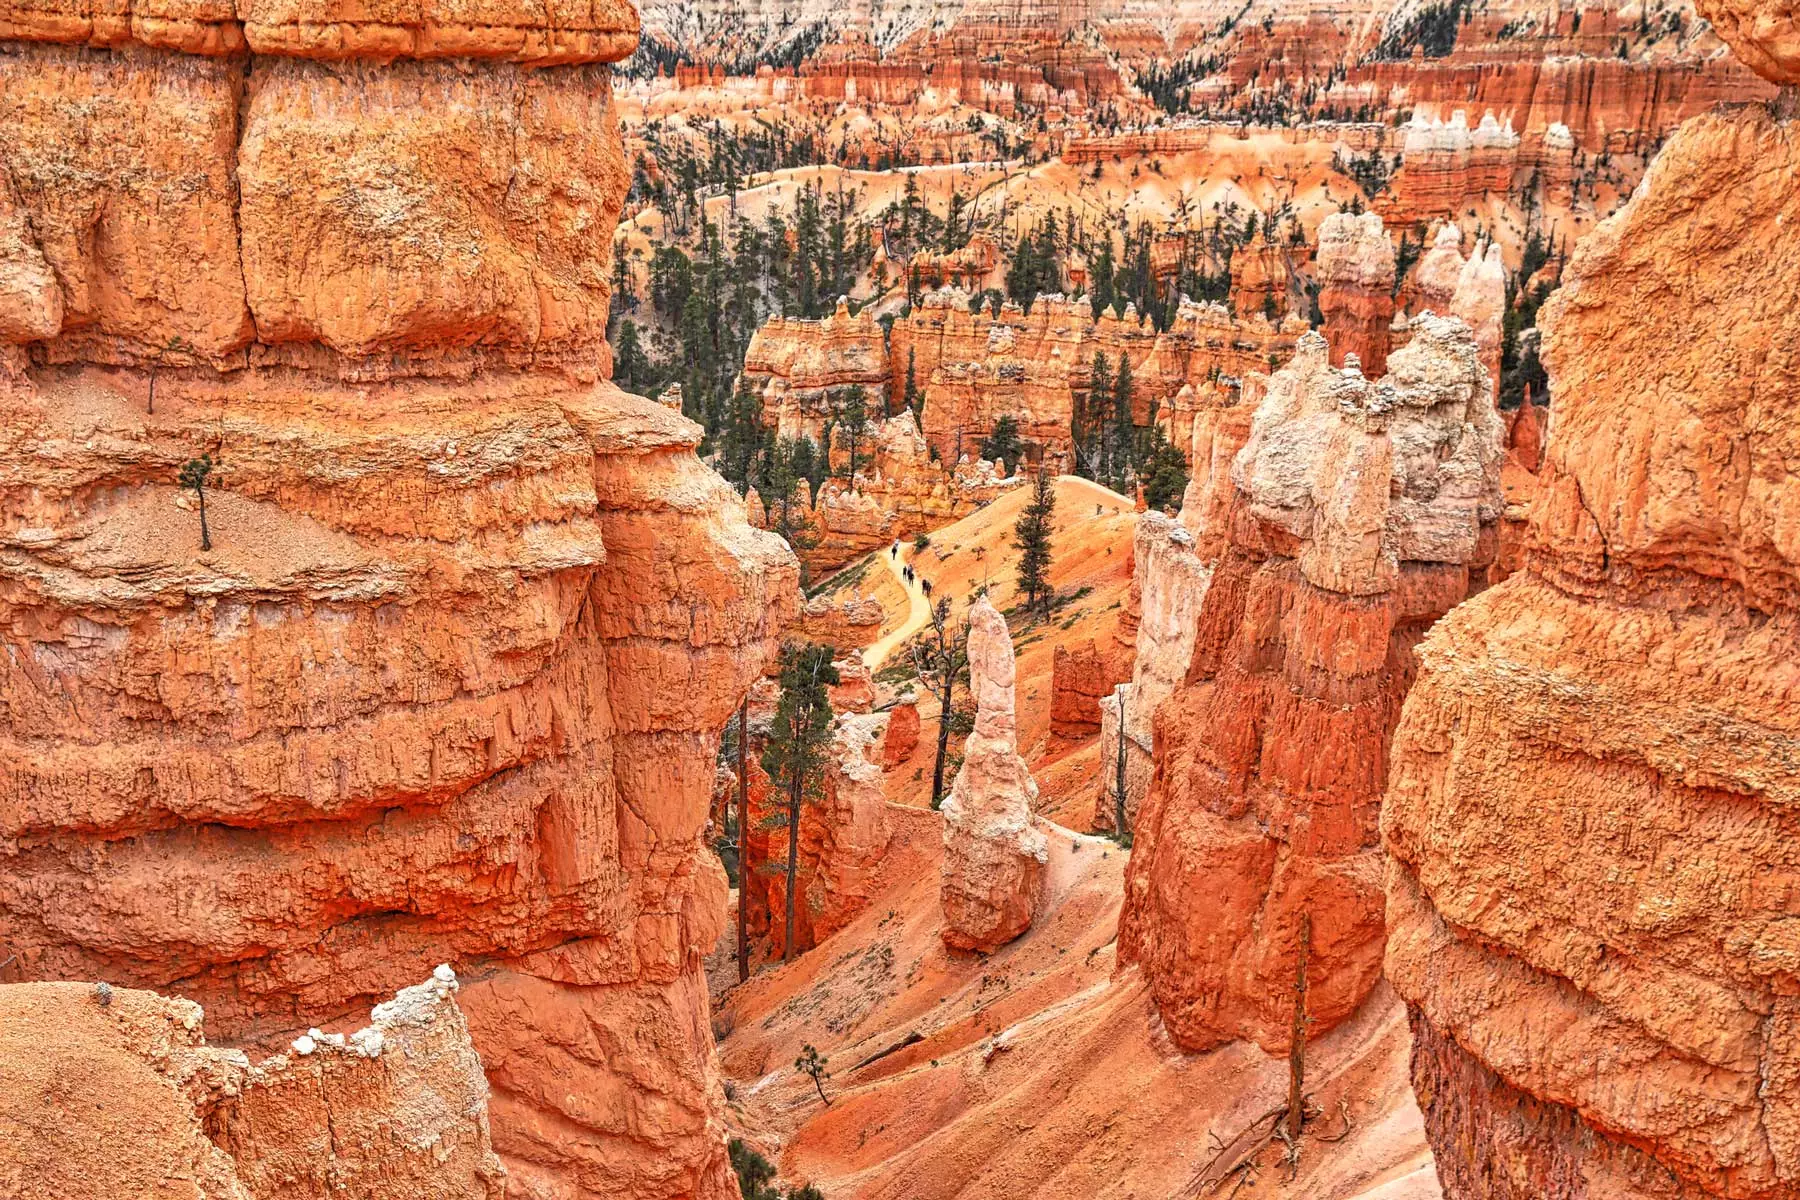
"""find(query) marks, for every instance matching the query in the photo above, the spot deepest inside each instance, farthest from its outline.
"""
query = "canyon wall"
(969, 369)
(447, 687)
(1593, 892)
(113, 1092)
(1358, 513)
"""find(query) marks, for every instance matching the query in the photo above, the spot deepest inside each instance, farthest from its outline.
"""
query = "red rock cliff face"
(1594, 891)
(449, 685)
(1358, 513)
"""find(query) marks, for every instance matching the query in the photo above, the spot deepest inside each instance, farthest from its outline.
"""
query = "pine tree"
(850, 411)
(1032, 540)
(786, 469)
(1164, 472)
(1122, 422)
(1101, 292)
(799, 740)
(953, 223)
(194, 474)
(1002, 446)
(631, 370)
(914, 400)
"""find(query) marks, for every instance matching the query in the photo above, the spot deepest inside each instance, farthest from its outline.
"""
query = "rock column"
(1358, 512)
(994, 854)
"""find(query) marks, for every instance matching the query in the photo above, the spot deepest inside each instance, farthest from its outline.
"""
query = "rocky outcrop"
(797, 367)
(970, 369)
(1590, 819)
(1355, 270)
(902, 735)
(1480, 300)
(994, 853)
(1261, 279)
(1172, 563)
(114, 1092)
(1763, 35)
(1439, 271)
(449, 684)
(1474, 290)
(899, 493)
(852, 830)
(1360, 512)
(849, 622)
(1171, 579)
(1448, 168)
(842, 839)
(1079, 679)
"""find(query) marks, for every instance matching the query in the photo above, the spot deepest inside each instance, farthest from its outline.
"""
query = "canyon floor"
(1039, 1070)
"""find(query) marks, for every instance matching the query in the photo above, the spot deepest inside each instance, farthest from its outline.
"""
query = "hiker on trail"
(894, 551)
(908, 572)
(925, 586)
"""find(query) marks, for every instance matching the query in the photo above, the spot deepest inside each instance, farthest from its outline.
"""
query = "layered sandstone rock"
(1170, 578)
(901, 492)
(1449, 168)
(1764, 34)
(1261, 279)
(852, 829)
(1480, 300)
(1590, 821)
(970, 369)
(114, 1092)
(450, 682)
(1355, 269)
(994, 853)
(1079, 679)
(1172, 563)
(799, 366)
(842, 837)
(1358, 513)
(1439, 271)
(902, 735)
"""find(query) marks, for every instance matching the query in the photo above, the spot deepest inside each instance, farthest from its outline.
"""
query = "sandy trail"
(917, 617)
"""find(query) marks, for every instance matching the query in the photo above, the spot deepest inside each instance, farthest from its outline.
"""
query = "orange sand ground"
(1037, 1073)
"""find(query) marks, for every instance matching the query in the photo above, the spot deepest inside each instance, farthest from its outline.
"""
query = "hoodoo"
(1591, 820)
(449, 683)
(994, 853)
(1361, 512)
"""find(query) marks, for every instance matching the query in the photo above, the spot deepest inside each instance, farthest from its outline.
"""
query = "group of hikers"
(907, 571)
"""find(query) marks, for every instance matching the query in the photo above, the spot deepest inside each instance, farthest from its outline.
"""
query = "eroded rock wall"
(449, 684)
(114, 1092)
(1592, 896)
(1359, 513)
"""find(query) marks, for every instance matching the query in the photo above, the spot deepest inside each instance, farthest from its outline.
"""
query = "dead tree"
(1296, 1106)
(743, 828)
(1120, 830)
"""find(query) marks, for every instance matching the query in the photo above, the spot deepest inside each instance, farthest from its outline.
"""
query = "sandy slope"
(918, 609)
(1091, 568)
(1034, 1072)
